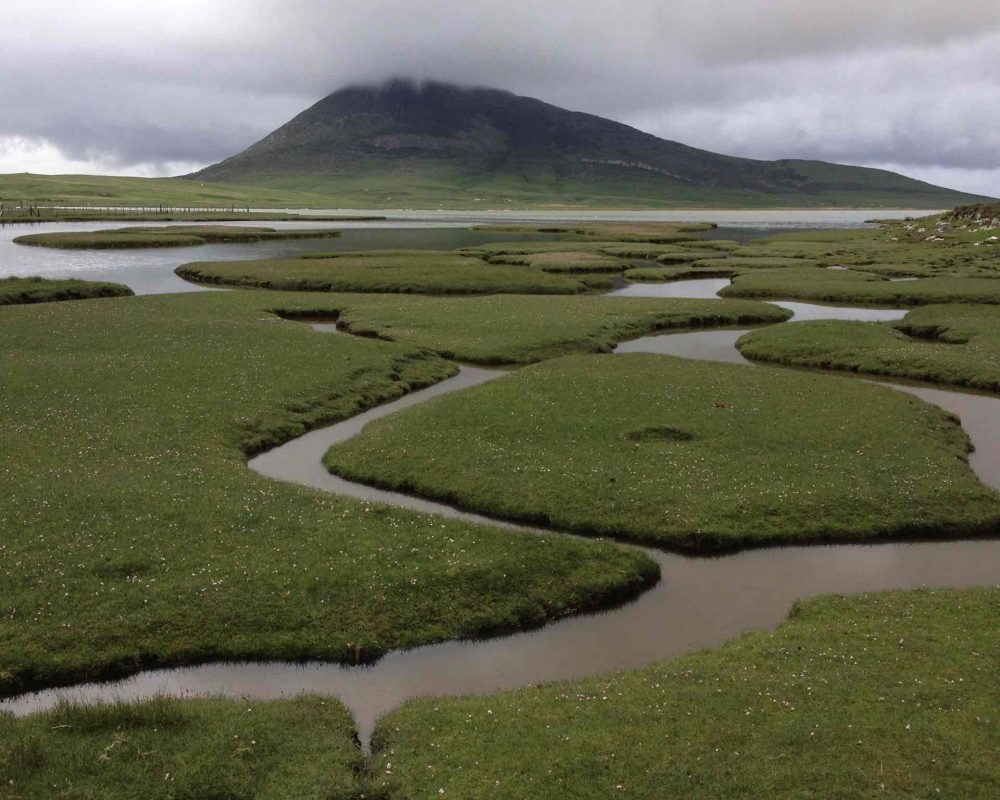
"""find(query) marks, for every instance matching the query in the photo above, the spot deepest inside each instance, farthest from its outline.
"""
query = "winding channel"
(699, 601)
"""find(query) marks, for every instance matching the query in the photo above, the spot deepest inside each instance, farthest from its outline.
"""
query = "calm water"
(709, 288)
(151, 271)
(729, 217)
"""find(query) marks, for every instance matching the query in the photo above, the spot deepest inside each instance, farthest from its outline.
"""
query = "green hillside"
(113, 190)
(441, 145)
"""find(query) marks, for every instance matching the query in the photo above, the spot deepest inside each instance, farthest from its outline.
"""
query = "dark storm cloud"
(175, 84)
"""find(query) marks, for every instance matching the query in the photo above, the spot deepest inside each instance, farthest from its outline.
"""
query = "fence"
(29, 209)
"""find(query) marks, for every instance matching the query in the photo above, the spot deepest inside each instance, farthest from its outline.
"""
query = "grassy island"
(860, 288)
(652, 232)
(517, 329)
(420, 272)
(18, 291)
(952, 344)
(135, 535)
(166, 236)
(687, 454)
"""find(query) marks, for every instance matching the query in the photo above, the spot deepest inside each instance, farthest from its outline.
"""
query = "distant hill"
(401, 144)
(111, 190)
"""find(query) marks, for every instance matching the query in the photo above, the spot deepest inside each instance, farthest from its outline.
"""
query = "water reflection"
(702, 288)
(151, 270)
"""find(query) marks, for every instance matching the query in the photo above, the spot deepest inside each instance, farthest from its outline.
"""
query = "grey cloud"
(904, 82)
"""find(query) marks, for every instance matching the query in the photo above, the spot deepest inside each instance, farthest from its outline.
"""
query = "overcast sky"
(164, 87)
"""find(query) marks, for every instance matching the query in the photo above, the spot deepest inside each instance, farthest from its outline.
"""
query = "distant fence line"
(31, 209)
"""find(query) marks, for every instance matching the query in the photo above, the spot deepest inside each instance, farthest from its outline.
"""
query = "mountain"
(403, 144)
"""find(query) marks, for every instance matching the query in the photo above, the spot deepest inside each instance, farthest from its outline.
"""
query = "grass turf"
(723, 245)
(652, 232)
(168, 236)
(17, 291)
(667, 252)
(750, 263)
(569, 261)
(420, 272)
(686, 454)
(676, 272)
(506, 329)
(579, 245)
(889, 695)
(203, 749)
(135, 535)
(951, 344)
(105, 191)
(860, 288)
(888, 251)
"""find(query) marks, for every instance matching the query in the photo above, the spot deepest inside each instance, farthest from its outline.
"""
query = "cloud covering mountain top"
(162, 88)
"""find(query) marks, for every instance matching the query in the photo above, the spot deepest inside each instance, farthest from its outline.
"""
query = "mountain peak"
(426, 142)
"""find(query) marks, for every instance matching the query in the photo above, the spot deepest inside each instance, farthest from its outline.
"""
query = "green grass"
(650, 252)
(652, 232)
(859, 288)
(106, 190)
(568, 261)
(956, 344)
(723, 245)
(681, 257)
(889, 695)
(547, 186)
(873, 695)
(506, 329)
(822, 253)
(168, 236)
(835, 245)
(638, 250)
(886, 251)
(751, 262)
(420, 272)
(205, 749)
(17, 291)
(522, 188)
(676, 272)
(687, 454)
(578, 245)
(135, 535)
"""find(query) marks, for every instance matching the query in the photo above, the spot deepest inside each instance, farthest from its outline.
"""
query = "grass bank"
(107, 191)
(686, 454)
(17, 291)
(568, 261)
(578, 244)
(507, 329)
(956, 345)
(652, 232)
(735, 262)
(860, 288)
(199, 749)
(891, 250)
(889, 695)
(169, 236)
(135, 535)
(675, 272)
(419, 272)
